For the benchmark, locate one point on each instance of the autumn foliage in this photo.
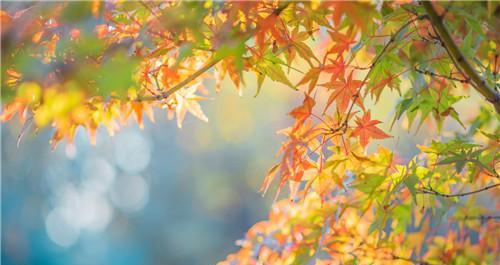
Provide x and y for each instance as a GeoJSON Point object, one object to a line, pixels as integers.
{"type": "Point", "coordinates": [349, 201]}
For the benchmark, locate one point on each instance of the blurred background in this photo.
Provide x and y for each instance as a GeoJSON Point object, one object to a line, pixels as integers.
{"type": "Point", "coordinates": [160, 195]}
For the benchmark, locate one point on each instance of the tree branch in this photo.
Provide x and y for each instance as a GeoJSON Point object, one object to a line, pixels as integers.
{"type": "Point", "coordinates": [437, 193]}
{"type": "Point", "coordinates": [482, 218]}
{"type": "Point", "coordinates": [374, 62]}
{"type": "Point", "coordinates": [459, 59]}
{"type": "Point", "coordinates": [208, 65]}
{"type": "Point", "coordinates": [429, 73]}
{"type": "Point", "coordinates": [184, 82]}
{"type": "Point", "coordinates": [414, 261]}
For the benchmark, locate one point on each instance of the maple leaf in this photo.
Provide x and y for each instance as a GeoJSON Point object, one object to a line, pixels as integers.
{"type": "Point", "coordinates": [37, 37]}
{"type": "Point", "coordinates": [366, 129]}
{"type": "Point", "coordinates": [342, 41]}
{"type": "Point", "coordinates": [269, 178]}
{"type": "Point", "coordinates": [187, 101]}
{"type": "Point", "coordinates": [295, 160]}
{"type": "Point", "coordinates": [302, 112]}
{"type": "Point", "coordinates": [50, 49]}
{"type": "Point", "coordinates": [359, 13]}
{"type": "Point", "coordinates": [102, 30]}
{"type": "Point", "coordinates": [343, 92]}
{"type": "Point", "coordinates": [138, 108]}
{"type": "Point", "coordinates": [297, 40]}
{"type": "Point", "coordinates": [265, 26]}
{"type": "Point", "coordinates": [11, 109]}
{"type": "Point", "coordinates": [270, 66]}
{"type": "Point", "coordinates": [169, 76]}
{"type": "Point", "coordinates": [312, 77]}
{"type": "Point", "coordinates": [391, 81]}
{"type": "Point", "coordinates": [336, 68]}
{"type": "Point", "coordinates": [305, 52]}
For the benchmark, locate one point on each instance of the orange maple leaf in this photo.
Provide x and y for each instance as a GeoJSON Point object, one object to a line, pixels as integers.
{"type": "Point", "coordinates": [366, 129]}
{"type": "Point", "coordinates": [312, 77]}
{"type": "Point", "coordinates": [357, 12]}
{"type": "Point", "coordinates": [342, 41]}
{"type": "Point", "coordinates": [336, 68]}
{"type": "Point", "coordinates": [343, 92]}
{"type": "Point", "coordinates": [169, 76]}
{"type": "Point", "coordinates": [379, 87]}
{"type": "Point", "coordinates": [302, 112]}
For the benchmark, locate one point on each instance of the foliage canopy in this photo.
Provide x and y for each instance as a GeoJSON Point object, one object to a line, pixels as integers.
{"type": "Point", "coordinates": [346, 205]}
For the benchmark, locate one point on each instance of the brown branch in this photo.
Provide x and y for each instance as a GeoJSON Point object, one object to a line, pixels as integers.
{"type": "Point", "coordinates": [429, 73]}
{"type": "Point", "coordinates": [207, 66]}
{"type": "Point", "coordinates": [184, 82]}
{"type": "Point", "coordinates": [359, 251]}
{"type": "Point", "coordinates": [414, 261]}
{"type": "Point", "coordinates": [482, 218]}
{"type": "Point", "coordinates": [431, 191]}
{"type": "Point", "coordinates": [374, 62]}
{"type": "Point", "coordinates": [364, 247]}
{"type": "Point", "coordinates": [459, 59]}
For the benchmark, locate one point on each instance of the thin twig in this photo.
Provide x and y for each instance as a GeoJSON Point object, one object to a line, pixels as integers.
{"type": "Point", "coordinates": [414, 261]}
{"type": "Point", "coordinates": [482, 218]}
{"type": "Point", "coordinates": [431, 191]}
{"type": "Point", "coordinates": [374, 62]}
{"type": "Point", "coordinates": [206, 67]}
{"type": "Point", "coordinates": [429, 73]}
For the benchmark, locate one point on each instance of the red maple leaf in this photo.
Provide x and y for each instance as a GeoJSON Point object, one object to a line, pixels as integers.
{"type": "Point", "coordinates": [366, 129]}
